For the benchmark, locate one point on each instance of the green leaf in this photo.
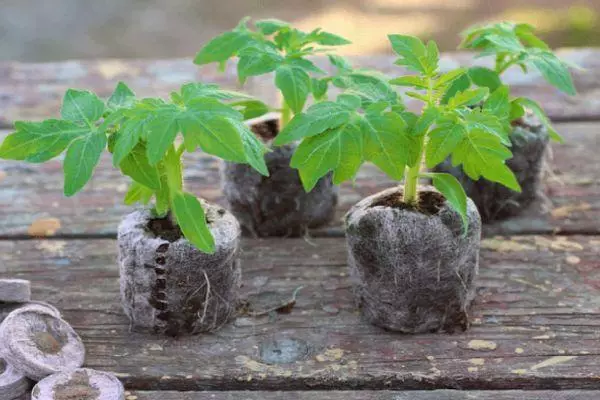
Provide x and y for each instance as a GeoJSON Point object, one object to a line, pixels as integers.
{"type": "Point", "coordinates": [294, 84]}
{"type": "Point", "coordinates": [305, 64]}
{"type": "Point", "coordinates": [40, 141]}
{"type": "Point", "coordinates": [191, 91]}
{"type": "Point", "coordinates": [190, 217]}
{"type": "Point", "coordinates": [251, 108]}
{"type": "Point", "coordinates": [372, 87]}
{"type": "Point", "coordinates": [433, 56]}
{"type": "Point", "coordinates": [497, 103]}
{"type": "Point", "coordinates": [516, 110]}
{"type": "Point", "coordinates": [484, 121]}
{"type": "Point", "coordinates": [416, 81]}
{"type": "Point", "coordinates": [459, 84]}
{"type": "Point", "coordinates": [338, 149]}
{"type": "Point", "coordinates": [222, 47]}
{"type": "Point", "coordinates": [443, 140]}
{"type": "Point", "coordinates": [136, 166]}
{"type": "Point", "coordinates": [256, 62]}
{"type": "Point", "coordinates": [427, 118]}
{"type": "Point", "coordinates": [387, 144]}
{"type": "Point", "coordinates": [137, 193]}
{"type": "Point", "coordinates": [553, 70]}
{"type": "Point", "coordinates": [329, 39]}
{"type": "Point", "coordinates": [121, 97]}
{"type": "Point", "coordinates": [217, 135]}
{"type": "Point", "coordinates": [499, 172]}
{"type": "Point", "coordinates": [526, 33]}
{"type": "Point", "coordinates": [413, 54]}
{"type": "Point", "coordinates": [162, 130]}
{"type": "Point", "coordinates": [317, 119]}
{"type": "Point", "coordinates": [127, 138]}
{"type": "Point", "coordinates": [255, 150]}
{"type": "Point", "coordinates": [341, 63]}
{"type": "Point", "coordinates": [468, 97]}
{"type": "Point", "coordinates": [81, 106]}
{"type": "Point", "coordinates": [454, 193]}
{"type": "Point", "coordinates": [449, 77]}
{"type": "Point", "coordinates": [82, 157]}
{"type": "Point", "coordinates": [539, 112]}
{"type": "Point", "coordinates": [351, 101]}
{"type": "Point", "coordinates": [270, 26]}
{"type": "Point", "coordinates": [319, 88]}
{"type": "Point", "coordinates": [485, 77]}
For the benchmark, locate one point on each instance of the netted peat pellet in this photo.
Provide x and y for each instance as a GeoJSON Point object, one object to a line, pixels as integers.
{"type": "Point", "coordinates": [7, 308]}
{"type": "Point", "coordinates": [13, 384]}
{"type": "Point", "coordinates": [15, 290]}
{"type": "Point", "coordinates": [38, 343]}
{"type": "Point", "coordinates": [79, 384]}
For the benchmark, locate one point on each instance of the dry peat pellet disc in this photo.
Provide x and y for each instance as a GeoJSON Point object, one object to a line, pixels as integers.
{"type": "Point", "coordinates": [79, 384]}
{"type": "Point", "coordinates": [7, 308]}
{"type": "Point", "coordinates": [38, 343]}
{"type": "Point", "coordinates": [15, 290]}
{"type": "Point", "coordinates": [13, 384]}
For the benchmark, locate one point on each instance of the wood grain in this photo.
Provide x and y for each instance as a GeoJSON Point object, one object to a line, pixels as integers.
{"type": "Point", "coordinates": [32, 201]}
{"type": "Point", "coordinates": [31, 91]}
{"type": "Point", "coordinates": [374, 395]}
{"type": "Point", "coordinates": [535, 324]}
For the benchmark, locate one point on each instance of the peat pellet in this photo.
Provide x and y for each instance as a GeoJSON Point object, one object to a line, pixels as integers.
{"type": "Point", "coordinates": [13, 384]}
{"type": "Point", "coordinates": [15, 290]}
{"type": "Point", "coordinates": [79, 384]}
{"type": "Point", "coordinates": [38, 343]}
{"type": "Point", "coordinates": [7, 308]}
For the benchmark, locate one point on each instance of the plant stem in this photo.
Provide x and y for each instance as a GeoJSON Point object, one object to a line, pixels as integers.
{"type": "Point", "coordinates": [286, 114]}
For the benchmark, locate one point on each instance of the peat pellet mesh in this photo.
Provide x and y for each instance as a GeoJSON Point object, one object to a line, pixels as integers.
{"type": "Point", "coordinates": [36, 344]}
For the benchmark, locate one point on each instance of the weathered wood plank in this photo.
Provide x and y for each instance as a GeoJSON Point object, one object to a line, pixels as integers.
{"type": "Point", "coordinates": [30, 91]}
{"type": "Point", "coordinates": [536, 321]}
{"type": "Point", "coordinates": [374, 395]}
{"type": "Point", "coordinates": [31, 195]}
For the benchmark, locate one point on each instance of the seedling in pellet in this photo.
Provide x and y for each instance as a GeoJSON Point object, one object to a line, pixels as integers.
{"type": "Point", "coordinates": [276, 46]}
{"type": "Point", "coordinates": [141, 135]}
{"type": "Point", "coordinates": [364, 126]}
{"type": "Point", "coordinates": [513, 44]}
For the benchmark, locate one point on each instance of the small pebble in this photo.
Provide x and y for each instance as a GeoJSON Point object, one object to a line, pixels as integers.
{"type": "Point", "coordinates": [15, 290]}
{"type": "Point", "coordinates": [13, 384]}
{"type": "Point", "coordinates": [38, 343]}
{"type": "Point", "coordinates": [80, 384]}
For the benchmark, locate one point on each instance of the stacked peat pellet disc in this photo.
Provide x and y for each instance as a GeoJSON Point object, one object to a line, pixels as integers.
{"type": "Point", "coordinates": [36, 344]}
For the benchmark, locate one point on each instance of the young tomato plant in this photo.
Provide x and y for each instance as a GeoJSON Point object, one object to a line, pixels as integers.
{"type": "Point", "coordinates": [140, 134]}
{"type": "Point", "coordinates": [275, 46]}
{"type": "Point", "coordinates": [514, 44]}
{"type": "Point", "coordinates": [363, 125]}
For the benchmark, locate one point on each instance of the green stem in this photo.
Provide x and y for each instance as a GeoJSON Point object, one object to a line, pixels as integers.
{"type": "Point", "coordinates": [286, 114]}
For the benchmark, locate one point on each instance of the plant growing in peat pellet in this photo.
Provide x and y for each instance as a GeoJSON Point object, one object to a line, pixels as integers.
{"type": "Point", "coordinates": [184, 247]}
{"type": "Point", "coordinates": [278, 205]}
{"type": "Point", "coordinates": [413, 252]}
{"type": "Point", "coordinates": [529, 128]}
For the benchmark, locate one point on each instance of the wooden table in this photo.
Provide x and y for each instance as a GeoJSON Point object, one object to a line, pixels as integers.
{"type": "Point", "coordinates": [535, 324]}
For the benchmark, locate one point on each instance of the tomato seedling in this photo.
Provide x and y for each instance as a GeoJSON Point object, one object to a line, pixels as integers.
{"type": "Point", "coordinates": [141, 135]}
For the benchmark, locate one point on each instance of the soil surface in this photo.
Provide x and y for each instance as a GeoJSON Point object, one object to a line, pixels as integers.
{"type": "Point", "coordinates": [430, 203]}
{"type": "Point", "coordinates": [165, 229]}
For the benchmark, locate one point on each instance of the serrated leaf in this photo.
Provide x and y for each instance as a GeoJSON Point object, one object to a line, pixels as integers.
{"type": "Point", "coordinates": [222, 47]}
{"type": "Point", "coordinates": [459, 84]}
{"type": "Point", "coordinates": [443, 140]}
{"type": "Point", "coordinates": [191, 91]}
{"type": "Point", "coordinates": [341, 63]}
{"type": "Point", "coordinates": [251, 108]}
{"type": "Point", "coordinates": [82, 157]}
{"type": "Point", "coordinates": [449, 77]}
{"type": "Point", "coordinates": [480, 120]}
{"type": "Point", "coordinates": [413, 53]}
{"type": "Point", "coordinates": [468, 97]}
{"type": "Point", "coordinates": [370, 86]}
{"type": "Point", "coordinates": [136, 166]}
{"type": "Point", "coordinates": [553, 70]}
{"type": "Point", "coordinates": [127, 138]}
{"type": "Point", "coordinates": [294, 84]}
{"type": "Point", "coordinates": [271, 25]}
{"type": "Point", "coordinates": [387, 144]}
{"type": "Point", "coordinates": [427, 118]}
{"type": "Point", "coordinates": [338, 149]}
{"type": "Point", "coordinates": [137, 193]}
{"type": "Point", "coordinates": [454, 193]}
{"type": "Point", "coordinates": [351, 101]}
{"type": "Point", "coordinates": [516, 110]}
{"type": "Point", "coordinates": [485, 77]}
{"type": "Point", "coordinates": [190, 217]}
{"type": "Point", "coordinates": [539, 112]}
{"type": "Point", "coordinates": [433, 56]}
{"type": "Point", "coordinates": [121, 97]}
{"type": "Point", "coordinates": [305, 64]}
{"type": "Point", "coordinates": [416, 81]}
{"type": "Point", "coordinates": [255, 150]}
{"type": "Point", "coordinates": [317, 119]}
{"type": "Point", "coordinates": [497, 103]}
{"type": "Point", "coordinates": [81, 106]}
{"type": "Point", "coordinates": [525, 32]}
{"type": "Point", "coordinates": [161, 132]}
{"type": "Point", "coordinates": [255, 62]}
{"type": "Point", "coordinates": [216, 135]}
{"type": "Point", "coordinates": [40, 141]}
{"type": "Point", "coordinates": [499, 172]}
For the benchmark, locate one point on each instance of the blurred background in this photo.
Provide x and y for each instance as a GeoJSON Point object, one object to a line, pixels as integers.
{"type": "Point", "coordinates": [49, 30]}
